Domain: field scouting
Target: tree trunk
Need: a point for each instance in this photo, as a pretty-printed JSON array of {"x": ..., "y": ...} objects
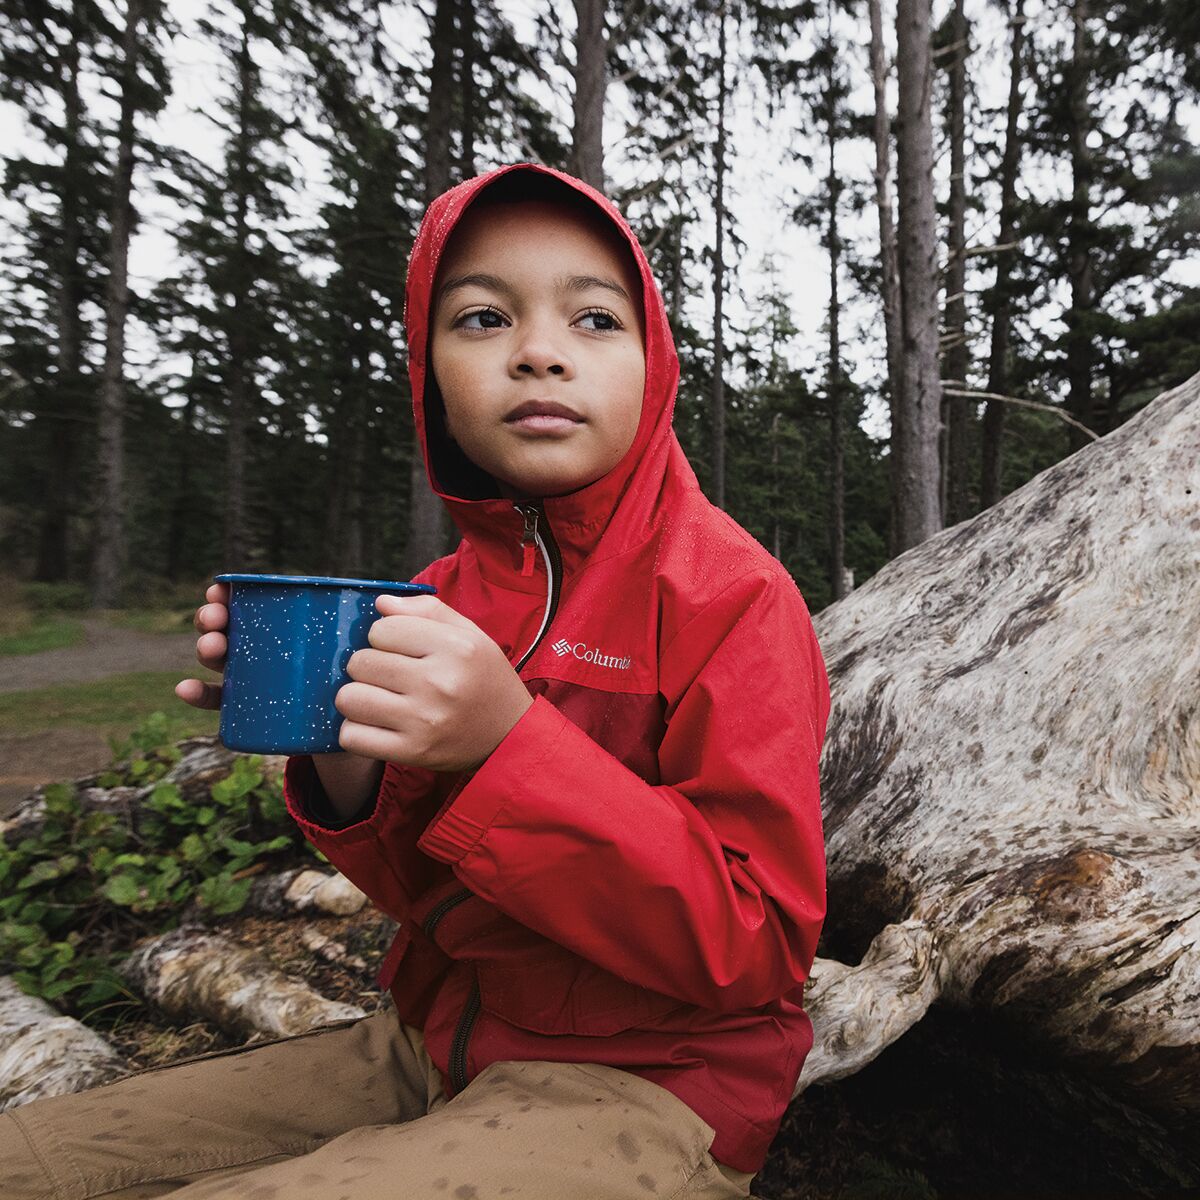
[
  {"x": 109, "y": 553},
  {"x": 239, "y": 344},
  {"x": 837, "y": 482},
  {"x": 890, "y": 282},
  {"x": 718, "y": 376},
  {"x": 993, "y": 417},
  {"x": 1009, "y": 782},
  {"x": 591, "y": 62},
  {"x": 428, "y": 524},
  {"x": 67, "y": 402},
  {"x": 466, "y": 41},
  {"x": 918, "y": 508},
  {"x": 958, "y": 358},
  {"x": 1080, "y": 358}
]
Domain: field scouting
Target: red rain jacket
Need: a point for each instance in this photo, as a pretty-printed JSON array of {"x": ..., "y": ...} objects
[{"x": 636, "y": 874}]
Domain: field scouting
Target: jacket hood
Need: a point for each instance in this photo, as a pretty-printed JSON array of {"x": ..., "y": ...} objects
[{"x": 608, "y": 515}]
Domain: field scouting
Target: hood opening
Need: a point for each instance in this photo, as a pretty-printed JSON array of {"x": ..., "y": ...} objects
[{"x": 454, "y": 474}]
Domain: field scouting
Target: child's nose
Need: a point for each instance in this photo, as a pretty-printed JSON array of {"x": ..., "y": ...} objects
[{"x": 539, "y": 355}]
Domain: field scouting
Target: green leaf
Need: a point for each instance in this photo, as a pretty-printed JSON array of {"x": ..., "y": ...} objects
[
  {"x": 205, "y": 814},
  {"x": 49, "y": 868},
  {"x": 59, "y": 798},
  {"x": 122, "y": 890},
  {"x": 222, "y": 894},
  {"x": 193, "y": 848}
]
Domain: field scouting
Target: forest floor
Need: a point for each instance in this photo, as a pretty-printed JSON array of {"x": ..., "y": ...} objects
[{"x": 66, "y": 748}]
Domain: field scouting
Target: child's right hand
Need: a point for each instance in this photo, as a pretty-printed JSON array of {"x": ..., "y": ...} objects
[{"x": 211, "y": 621}]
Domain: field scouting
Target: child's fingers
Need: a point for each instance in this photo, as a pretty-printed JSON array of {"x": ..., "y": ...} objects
[
  {"x": 218, "y": 593},
  {"x": 211, "y": 650},
  {"x": 211, "y": 618},
  {"x": 199, "y": 694}
]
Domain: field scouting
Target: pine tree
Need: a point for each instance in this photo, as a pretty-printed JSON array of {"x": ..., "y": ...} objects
[{"x": 54, "y": 266}]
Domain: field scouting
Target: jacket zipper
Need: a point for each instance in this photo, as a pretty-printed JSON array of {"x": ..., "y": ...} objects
[
  {"x": 458, "y": 1047},
  {"x": 535, "y": 536},
  {"x": 441, "y": 908}
]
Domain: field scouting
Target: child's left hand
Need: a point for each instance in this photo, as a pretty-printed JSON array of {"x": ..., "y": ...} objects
[{"x": 434, "y": 690}]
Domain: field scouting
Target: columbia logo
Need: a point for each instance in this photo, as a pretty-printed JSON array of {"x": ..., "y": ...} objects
[{"x": 578, "y": 650}]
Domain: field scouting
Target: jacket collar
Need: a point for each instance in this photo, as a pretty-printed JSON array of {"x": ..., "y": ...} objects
[{"x": 616, "y": 511}]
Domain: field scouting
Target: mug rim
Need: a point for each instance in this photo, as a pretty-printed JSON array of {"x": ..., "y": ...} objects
[{"x": 326, "y": 581}]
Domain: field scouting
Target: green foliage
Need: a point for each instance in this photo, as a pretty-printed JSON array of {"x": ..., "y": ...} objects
[
  {"x": 875, "y": 1179},
  {"x": 55, "y": 597},
  {"x": 75, "y": 894}
]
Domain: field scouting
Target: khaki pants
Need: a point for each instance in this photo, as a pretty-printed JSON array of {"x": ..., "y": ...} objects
[{"x": 356, "y": 1111}]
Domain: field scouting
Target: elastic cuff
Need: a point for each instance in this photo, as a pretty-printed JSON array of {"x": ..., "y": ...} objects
[
  {"x": 462, "y": 824},
  {"x": 309, "y": 804}
]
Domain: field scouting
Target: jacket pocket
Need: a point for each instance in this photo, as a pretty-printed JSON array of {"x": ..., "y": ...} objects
[{"x": 567, "y": 994}]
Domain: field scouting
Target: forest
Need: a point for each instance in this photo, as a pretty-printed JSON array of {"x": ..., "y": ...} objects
[
  {"x": 931, "y": 271},
  {"x": 909, "y": 263}
]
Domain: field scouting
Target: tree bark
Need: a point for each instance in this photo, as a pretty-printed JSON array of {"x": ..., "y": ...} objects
[
  {"x": 428, "y": 524},
  {"x": 958, "y": 356},
  {"x": 235, "y": 545},
  {"x": 890, "y": 280},
  {"x": 54, "y": 536},
  {"x": 192, "y": 972},
  {"x": 1012, "y": 759},
  {"x": 1080, "y": 356},
  {"x": 718, "y": 376},
  {"x": 467, "y": 93},
  {"x": 591, "y": 63},
  {"x": 43, "y": 1053},
  {"x": 109, "y": 552},
  {"x": 993, "y": 417},
  {"x": 837, "y": 481},
  {"x": 918, "y": 509}
]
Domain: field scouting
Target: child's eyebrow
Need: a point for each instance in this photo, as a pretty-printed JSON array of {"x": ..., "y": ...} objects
[{"x": 567, "y": 283}]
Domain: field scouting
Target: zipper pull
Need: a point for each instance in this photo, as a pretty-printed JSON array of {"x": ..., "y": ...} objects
[{"x": 528, "y": 538}]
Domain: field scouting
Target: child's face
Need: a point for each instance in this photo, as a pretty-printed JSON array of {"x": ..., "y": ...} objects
[{"x": 532, "y": 303}]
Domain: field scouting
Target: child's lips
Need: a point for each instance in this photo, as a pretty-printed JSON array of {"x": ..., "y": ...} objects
[
  {"x": 543, "y": 416},
  {"x": 544, "y": 423}
]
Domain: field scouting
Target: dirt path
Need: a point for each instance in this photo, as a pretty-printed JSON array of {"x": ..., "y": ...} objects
[
  {"x": 105, "y": 650},
  {"x": 30, "y": 759}
]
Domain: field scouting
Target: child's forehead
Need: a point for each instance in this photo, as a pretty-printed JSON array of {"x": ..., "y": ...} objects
[{"x": 488, "y": 227}]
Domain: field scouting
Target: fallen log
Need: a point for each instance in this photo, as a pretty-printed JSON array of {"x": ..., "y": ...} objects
[
  {"x": 1013, "y": 763},
  {"x": 192, "y": 972},
  {"x": 43, "y": 1053},
  {"x": 304, "y": 890}
]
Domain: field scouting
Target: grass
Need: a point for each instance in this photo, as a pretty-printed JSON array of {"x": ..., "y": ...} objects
[
  {"x": 152, "y": 620},
  {"x": 112, "y": 705},
  {"x": 23, "y": 633}
]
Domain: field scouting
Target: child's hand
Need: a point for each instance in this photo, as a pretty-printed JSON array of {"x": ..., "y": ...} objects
[
  {"x": 434, "y": 690},
  {"x": 211, "y": 621}
]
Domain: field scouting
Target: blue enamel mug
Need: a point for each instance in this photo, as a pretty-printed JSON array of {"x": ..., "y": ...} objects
[{"x": 290, "y": 639}]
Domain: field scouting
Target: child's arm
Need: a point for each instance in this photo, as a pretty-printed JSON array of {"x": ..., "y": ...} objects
[{"x": 709, "y": 886}]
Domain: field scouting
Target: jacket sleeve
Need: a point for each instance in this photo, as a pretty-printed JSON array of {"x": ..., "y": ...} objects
[
  {"x": 377, "y": 851},
  {"x": 708, "y": 886}
]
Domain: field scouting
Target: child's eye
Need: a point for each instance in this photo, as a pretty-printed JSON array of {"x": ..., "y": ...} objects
[
  {"x": 482, "y": 318},
  {"x": 605, "y": 322}
]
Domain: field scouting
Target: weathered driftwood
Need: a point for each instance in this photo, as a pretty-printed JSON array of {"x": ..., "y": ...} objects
[
  {"x": 331, "y": 950},
  {"x": 304, "y": 890},
  {"x": 1013, "y": 762},
  {"x": 192, "y": 972},
  {"x": 43, "y": 1053},
  {"x": 857, "y": 1011}
]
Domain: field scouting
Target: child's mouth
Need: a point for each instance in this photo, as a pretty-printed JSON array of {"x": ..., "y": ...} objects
[{"x": 544, "y": 423}]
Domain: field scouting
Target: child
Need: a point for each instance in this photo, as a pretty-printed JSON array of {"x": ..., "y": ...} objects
[{"x": 583, "y": 778}]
